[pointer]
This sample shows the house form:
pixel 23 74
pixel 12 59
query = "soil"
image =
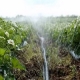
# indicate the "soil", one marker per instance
pixel 34 68
pixel 70 71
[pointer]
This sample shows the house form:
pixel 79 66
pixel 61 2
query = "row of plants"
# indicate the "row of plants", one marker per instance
pixel 65 34
pixel 12 36
pixel 70 37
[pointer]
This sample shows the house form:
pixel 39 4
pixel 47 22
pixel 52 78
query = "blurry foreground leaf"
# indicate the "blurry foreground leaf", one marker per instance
pixel 1 78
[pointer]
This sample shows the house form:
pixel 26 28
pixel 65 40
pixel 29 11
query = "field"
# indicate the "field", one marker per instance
pixel 20 48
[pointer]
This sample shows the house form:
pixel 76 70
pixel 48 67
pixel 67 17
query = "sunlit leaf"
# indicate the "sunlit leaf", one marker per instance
pixel 17 39
pixel 2 51
pixel 16 64
pixel 1 78
pixel 1 32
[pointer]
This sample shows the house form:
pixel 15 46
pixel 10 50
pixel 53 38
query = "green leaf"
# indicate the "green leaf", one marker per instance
pixel 1 32
pixel 7 57
pixel 2 43
pixel 17 39
pixel 16 64
pixel 1 78
pixel 2 51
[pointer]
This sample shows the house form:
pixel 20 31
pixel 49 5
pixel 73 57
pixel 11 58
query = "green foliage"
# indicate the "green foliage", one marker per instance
pixel 70 37
pixel 17 39
pixel 1 78
pixel 2 51
pixel 65 31
pixel 16 64
pixel 11 37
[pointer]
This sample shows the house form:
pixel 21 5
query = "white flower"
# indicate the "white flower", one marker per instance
pixel 5 74
pixel 18 48
pixel 16 45
pixel 7 34
pixel 0 28
pixel 14 24
pixel 21 28
pixel 11 42
pixel 12 28
pixel 2 37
